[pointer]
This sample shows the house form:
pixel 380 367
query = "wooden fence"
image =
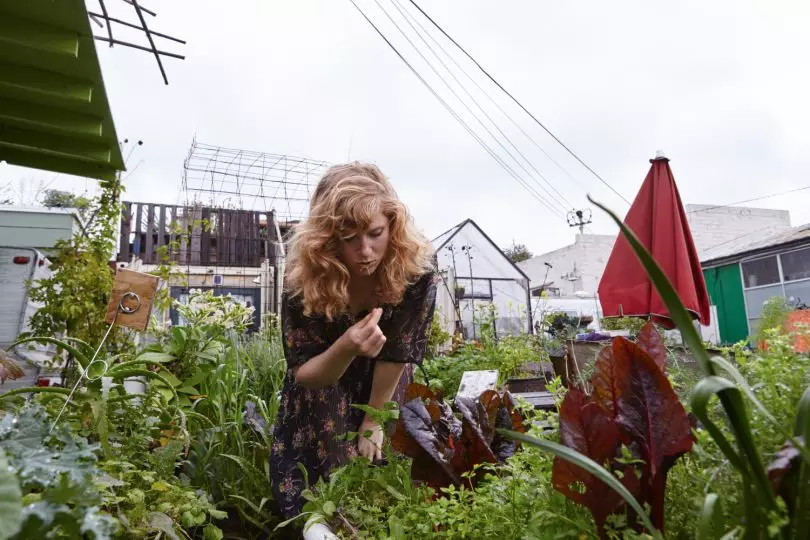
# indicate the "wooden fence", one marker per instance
pixel 196 235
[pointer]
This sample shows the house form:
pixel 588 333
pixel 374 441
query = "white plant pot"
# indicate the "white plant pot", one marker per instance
pixel 135 385
pixel 317 531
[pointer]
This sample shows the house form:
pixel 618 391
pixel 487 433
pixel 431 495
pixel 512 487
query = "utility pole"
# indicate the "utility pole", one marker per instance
pixel 543 288
pixel 579 218
pixel 468 250
pixel 456 301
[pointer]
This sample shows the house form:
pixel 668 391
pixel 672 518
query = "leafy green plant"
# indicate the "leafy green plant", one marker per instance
pixel 56 472
pixel 771 319
pixel 231 424
pixel 437 336
pixel 10 500
pixel 266 356
pixel 632 324
pixel 91 372
pixel 148 503
pixel 74 299
pixel 507 354
pixel 513 500
pixel 210 320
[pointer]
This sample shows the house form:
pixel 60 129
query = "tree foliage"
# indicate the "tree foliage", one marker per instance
pixel 518 253
pixel 55 198
pixel 75 297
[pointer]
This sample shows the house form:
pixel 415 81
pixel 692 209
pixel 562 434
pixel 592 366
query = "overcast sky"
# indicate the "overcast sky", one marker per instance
pixel 722 87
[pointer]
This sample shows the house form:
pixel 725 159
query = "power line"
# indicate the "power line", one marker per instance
pixel 467 107
pixel 519 104
pixel 748 200
pixel 489 97
pixel 455 115
pixel 562 199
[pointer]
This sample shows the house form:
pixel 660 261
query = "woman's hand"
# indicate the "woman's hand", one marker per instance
pixel 370 447
pixel 365 338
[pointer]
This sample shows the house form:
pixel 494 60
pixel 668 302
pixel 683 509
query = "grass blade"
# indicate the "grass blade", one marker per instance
pixel 73 351
pixel 36 390
pixel 574 457
pixel 709 518
pixel 801 520
pixel 704 390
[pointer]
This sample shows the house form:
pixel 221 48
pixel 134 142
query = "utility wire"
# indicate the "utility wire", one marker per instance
pixel 466 106
pixel 699 210
pixel 455 115
pixel 519 104
pixel 489 97
pixel 561 198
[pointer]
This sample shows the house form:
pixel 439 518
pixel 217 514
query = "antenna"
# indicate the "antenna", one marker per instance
pixel 140 11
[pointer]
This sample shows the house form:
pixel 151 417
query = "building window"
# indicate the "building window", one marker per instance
pixel 761 272
pixel 796 265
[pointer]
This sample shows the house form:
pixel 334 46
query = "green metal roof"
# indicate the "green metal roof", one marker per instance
pixel 54 113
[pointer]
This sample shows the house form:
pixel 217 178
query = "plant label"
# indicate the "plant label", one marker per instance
pixel 474 383
pixel 133 293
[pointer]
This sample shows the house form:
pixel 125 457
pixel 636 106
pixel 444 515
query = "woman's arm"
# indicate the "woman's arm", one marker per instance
pixel 386 378
pixel 363 339
pixel 383 385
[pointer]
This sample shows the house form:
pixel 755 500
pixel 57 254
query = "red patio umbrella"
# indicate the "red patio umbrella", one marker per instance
pixel 658 219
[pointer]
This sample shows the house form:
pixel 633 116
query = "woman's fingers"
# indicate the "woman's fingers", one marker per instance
pixel 371 319
pixel 379 343
pixel 376 313
pixel 370 324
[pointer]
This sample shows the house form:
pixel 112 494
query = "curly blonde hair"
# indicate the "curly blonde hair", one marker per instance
pixel 345 201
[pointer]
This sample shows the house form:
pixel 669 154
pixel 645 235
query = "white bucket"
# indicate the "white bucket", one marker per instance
pixel 135 385
pixel 317 531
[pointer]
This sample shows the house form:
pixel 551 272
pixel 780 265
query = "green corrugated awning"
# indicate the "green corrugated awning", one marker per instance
pixel 54 113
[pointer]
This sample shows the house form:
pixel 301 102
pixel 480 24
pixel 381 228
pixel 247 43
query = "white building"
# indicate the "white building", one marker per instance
pixel 569 276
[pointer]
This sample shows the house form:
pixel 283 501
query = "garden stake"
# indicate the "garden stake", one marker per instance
pixel 120 309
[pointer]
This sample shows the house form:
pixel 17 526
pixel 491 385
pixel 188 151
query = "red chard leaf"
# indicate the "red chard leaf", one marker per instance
pixel 650 414
pixel 652 342
pixel 443 447
pixel 783 472
pixel 508 418
pixel 590 430
pixel 649 411
pixel 515 418
pixel 605 382
pixel 474 425
pixel 417 423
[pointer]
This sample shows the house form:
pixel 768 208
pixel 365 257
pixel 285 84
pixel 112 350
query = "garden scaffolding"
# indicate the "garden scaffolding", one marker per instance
pixel 249 180
pixel 228 230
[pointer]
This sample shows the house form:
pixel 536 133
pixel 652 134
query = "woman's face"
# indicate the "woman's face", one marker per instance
pixel 363 251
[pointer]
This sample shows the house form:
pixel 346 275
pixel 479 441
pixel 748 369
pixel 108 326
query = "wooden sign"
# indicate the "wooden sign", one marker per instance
pixel 132 296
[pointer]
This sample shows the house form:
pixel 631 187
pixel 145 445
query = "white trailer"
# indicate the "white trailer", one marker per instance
pixel 20 268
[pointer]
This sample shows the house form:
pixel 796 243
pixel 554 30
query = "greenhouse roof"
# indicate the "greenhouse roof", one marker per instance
pixel 504 266
pixel 54 113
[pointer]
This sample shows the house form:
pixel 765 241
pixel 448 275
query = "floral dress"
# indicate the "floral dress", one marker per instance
pixel 309 419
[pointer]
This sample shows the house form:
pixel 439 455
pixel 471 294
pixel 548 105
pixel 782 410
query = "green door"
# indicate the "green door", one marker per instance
pixel 725 290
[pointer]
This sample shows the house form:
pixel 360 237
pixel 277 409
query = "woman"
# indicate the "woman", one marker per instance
pixel 358 303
